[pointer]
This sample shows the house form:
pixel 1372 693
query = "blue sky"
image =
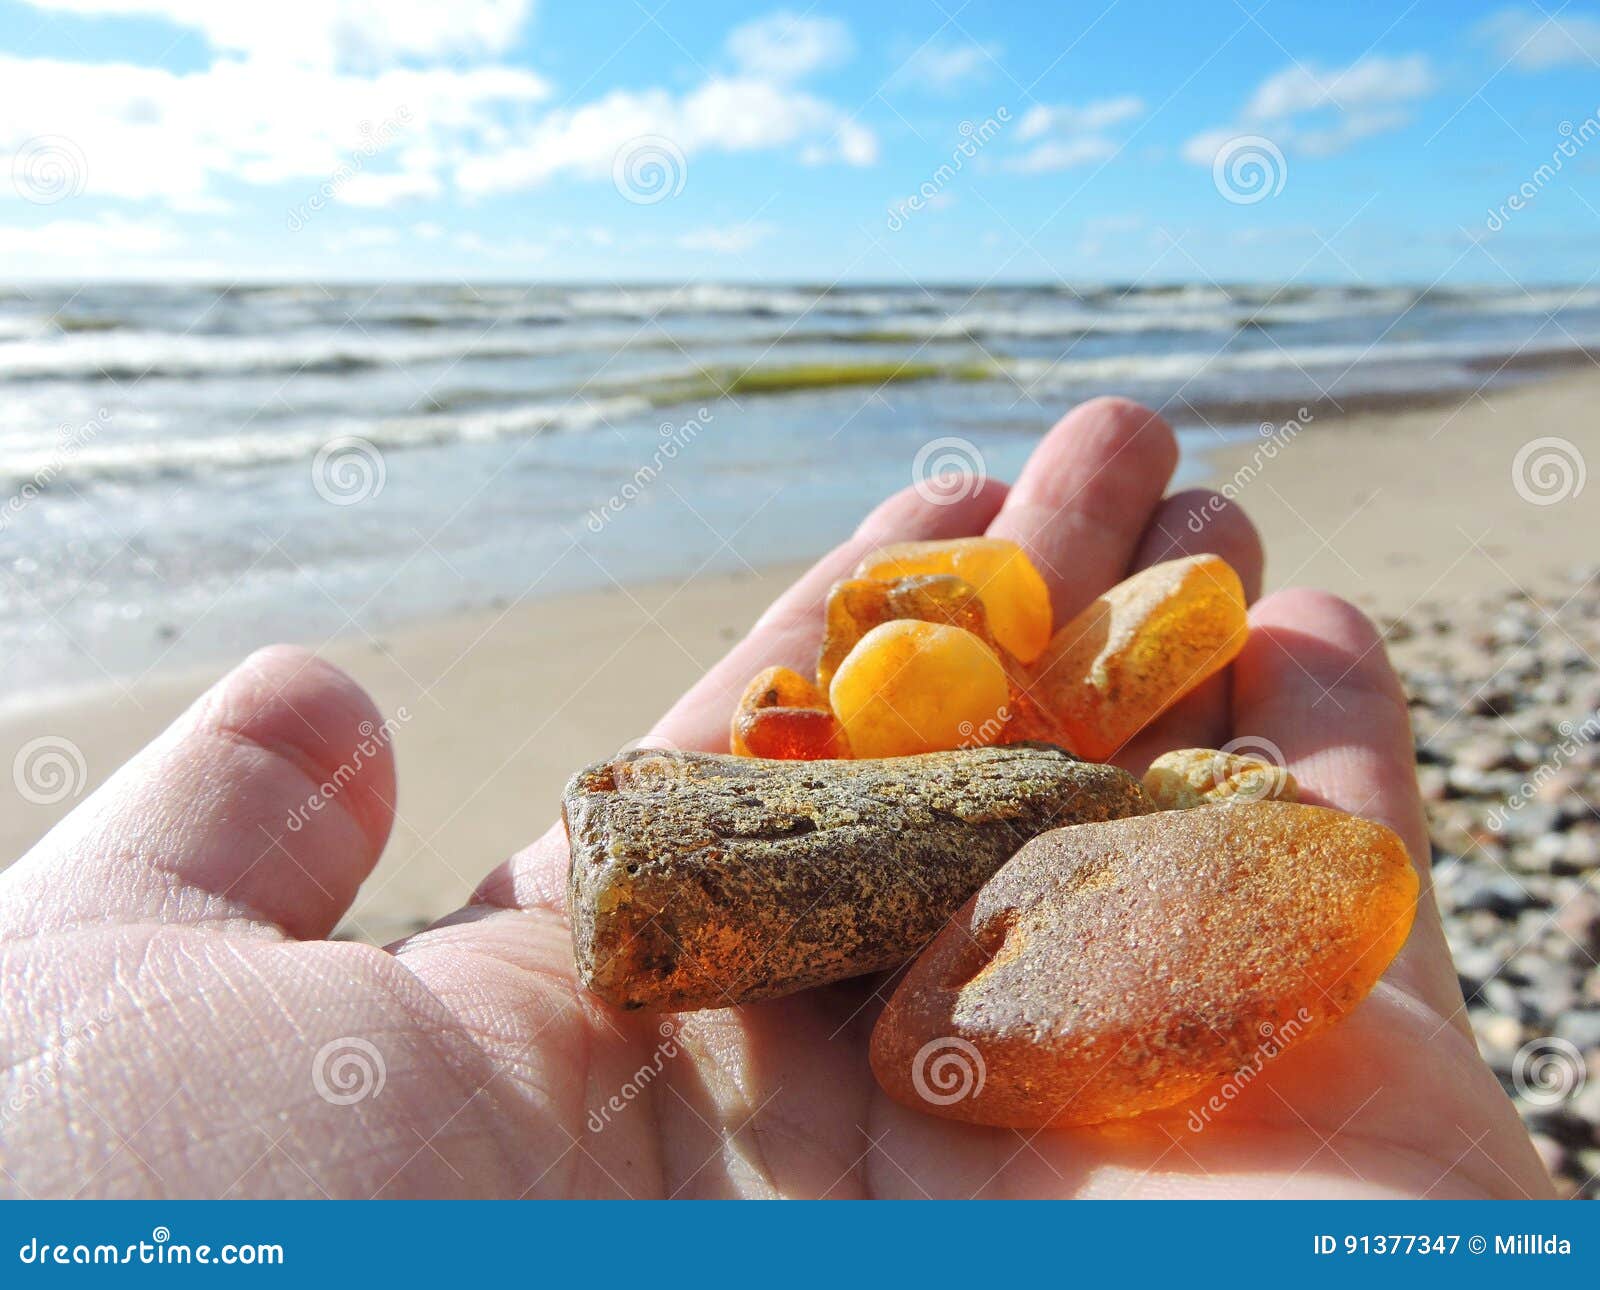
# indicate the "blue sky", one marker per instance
pixel 507 139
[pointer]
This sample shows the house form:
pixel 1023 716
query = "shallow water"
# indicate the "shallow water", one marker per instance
pixel 191 470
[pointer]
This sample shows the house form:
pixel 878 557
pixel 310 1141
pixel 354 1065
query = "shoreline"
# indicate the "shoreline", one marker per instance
pixel 503 704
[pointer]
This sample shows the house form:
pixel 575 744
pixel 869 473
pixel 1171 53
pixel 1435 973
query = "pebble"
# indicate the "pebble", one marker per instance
pixel 1499 698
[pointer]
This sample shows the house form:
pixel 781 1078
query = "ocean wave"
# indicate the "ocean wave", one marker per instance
pixel 105 460
pixel 1187 365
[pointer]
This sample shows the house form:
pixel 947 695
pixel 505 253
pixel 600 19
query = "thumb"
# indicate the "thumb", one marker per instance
pixel 270 799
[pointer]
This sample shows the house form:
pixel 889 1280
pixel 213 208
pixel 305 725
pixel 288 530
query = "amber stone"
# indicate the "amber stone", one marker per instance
pixel 791 734
pixel 857 605
pixel 772 687
pixel 1117 968
pixel 914 687
pixel 1013 592
pixel 1138 649
pixel 1189 777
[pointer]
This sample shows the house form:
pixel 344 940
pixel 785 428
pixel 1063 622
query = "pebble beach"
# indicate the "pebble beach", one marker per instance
pixel 1505 702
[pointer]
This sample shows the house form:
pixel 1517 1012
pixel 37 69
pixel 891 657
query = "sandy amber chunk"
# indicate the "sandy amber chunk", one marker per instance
pixel 857 605
pixel 914 687
pixel 1113 969
pixel 772 687
pixel 1140 648
pixel 791 734
pixel 1015 596
pixel 1191 777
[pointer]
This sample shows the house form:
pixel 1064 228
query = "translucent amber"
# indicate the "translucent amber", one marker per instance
pixel 791 734
pixel 914 687
pixel 1190 777
pixel 1015 596
pixel 773 687
pixel 1115 969
pixel 1138 649
pixel 857 605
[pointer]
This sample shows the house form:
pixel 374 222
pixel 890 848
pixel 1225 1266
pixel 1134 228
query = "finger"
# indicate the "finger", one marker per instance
pixel 790 632
pixel 1083 499
pixel 1314 681
pixel 269 800
pixel 1196 522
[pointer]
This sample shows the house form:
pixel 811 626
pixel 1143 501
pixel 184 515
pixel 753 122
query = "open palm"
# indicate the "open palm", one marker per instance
pixel 174 1023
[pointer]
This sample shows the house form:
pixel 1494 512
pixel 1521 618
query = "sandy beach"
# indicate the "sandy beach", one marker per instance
pixel 1388 509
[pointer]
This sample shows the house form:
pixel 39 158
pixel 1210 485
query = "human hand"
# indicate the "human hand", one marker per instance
pixel 176 1023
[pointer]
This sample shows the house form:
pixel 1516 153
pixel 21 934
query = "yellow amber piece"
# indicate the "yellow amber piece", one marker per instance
pixel 772 687
pixel 1015 596
pixel 857 605
pixel 1190 777
pixel 1113 969
pixel 913 687
pixel 1140 648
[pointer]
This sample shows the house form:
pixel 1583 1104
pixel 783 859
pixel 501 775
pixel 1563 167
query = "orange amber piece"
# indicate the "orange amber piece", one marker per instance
pixel 772 687
pixel 1140 648
pixel 791 734
pixel 1113 969
pixel 1015 596
pixel 857 605
pixel 914 687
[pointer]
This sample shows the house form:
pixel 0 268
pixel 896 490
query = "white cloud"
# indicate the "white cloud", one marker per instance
pixel 384 189
pixel 1062 155
pixel 329 33
pixel 76 240
pixel 732 240
pixel 1535 41
pixel 375 138
pixel 1368 81
pixel 944 67
pixel 1347 104
pixel 1043 118
pixel 725 114
pixel 851 143
pixel 148 134
pixel 786 46
pixel 1066 135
